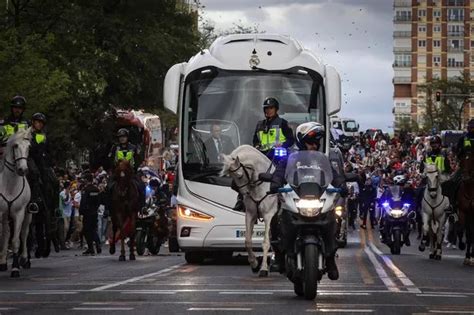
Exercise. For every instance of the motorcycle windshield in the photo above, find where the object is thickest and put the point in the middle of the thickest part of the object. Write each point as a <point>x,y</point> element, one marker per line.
<point>396,193</point>
<point>308,167</point>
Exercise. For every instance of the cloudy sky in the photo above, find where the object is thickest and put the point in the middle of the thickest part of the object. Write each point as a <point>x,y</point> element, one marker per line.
<point>353,35</point>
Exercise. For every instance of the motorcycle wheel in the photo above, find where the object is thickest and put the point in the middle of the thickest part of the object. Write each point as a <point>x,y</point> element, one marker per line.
<point>154,245</point>
<point>310,282</point>
<point>140,242</point>
<point>298,288</point>
<point>397,240</point>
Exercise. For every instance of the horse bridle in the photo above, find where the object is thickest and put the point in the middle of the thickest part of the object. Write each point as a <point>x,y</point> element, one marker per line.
<point>246,174</point>
<point>11,165</point>
<point>435,188</point>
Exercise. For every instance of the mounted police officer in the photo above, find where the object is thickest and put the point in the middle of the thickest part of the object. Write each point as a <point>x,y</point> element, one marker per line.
<point>437,157</point>
<point>126,151</point>
<point>466,142</point>
<point>39,161</point>
<point>270,133</point>
<point>15,121</point>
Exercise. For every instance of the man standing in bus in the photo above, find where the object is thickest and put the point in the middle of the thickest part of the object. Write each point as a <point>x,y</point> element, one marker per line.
<point>271,132</point>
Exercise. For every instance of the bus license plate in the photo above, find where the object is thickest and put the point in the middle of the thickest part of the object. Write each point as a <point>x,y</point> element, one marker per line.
<point>240,233</point>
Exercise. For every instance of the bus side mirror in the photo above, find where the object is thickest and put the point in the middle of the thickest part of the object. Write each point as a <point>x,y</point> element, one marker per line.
<point>332,87</point>
<point>172,87</point>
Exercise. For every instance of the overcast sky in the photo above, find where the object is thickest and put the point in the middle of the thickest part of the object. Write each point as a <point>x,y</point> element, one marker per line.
<point>353,35</point>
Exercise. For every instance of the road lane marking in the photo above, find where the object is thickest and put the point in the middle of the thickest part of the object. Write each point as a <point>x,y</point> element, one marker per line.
<point>246,293</point>
<point>102,309</point>
<point>7,308</point>
<point>389,263</point>
<point>235,309</point>
<point>340,310</point>
<point>451,312</point>
<point>134,279</point>
<point>50,292</point>
<point>381,271</point>
<point>366,277</point>
<point>442,295</point>
<point>148,292</point>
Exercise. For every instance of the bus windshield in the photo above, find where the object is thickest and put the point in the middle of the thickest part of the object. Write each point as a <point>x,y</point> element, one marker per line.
<point>350,126</point>
<point>221,110</point>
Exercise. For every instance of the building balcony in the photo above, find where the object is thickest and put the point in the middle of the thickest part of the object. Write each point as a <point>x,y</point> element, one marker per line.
<point>402,19</point>
<point>456,49</point>
<point>402,4</point>
<point>398,34</point>
<point>401,49</point>
<point>401,80</point>
<point>456,34</point>
<point>401,64</point>
<point>454,18</point>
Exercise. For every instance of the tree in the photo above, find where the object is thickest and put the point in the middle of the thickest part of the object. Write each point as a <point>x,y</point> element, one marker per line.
<point>455,95</point>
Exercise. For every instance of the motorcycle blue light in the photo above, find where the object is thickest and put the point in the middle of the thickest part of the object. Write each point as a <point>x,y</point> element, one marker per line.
<point>280,152</point>
<point>386,204</point>
<point>406,205</point>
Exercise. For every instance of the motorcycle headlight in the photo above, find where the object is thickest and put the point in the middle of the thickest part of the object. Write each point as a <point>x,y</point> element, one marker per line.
<point>339,210</point>
<point>309,207</point>
<point>396,213</point>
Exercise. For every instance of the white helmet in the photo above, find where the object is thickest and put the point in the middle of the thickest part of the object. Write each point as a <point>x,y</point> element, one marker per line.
<point>399,180</point>
<point>310,132</point>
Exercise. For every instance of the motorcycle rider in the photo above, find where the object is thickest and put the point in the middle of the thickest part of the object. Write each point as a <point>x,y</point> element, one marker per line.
<point>14,122</point>
<point>270,133</point>
<point>90,202</point>
<point>308,137</point>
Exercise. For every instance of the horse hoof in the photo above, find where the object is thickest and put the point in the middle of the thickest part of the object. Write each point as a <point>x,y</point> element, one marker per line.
<point>132,257</point>
<point>472,262</point>
<point>437,257</point>
<point>432,256</point>
<point>467,262</point>
<point>421,248</point>
<point>263,273</point>
<point>121,258</point>
<point>15,274</point>
<point>37,254</point>
<point>3,267</point>
<point>462,246</point>
<point>112,250</point>
<point>24,263</point>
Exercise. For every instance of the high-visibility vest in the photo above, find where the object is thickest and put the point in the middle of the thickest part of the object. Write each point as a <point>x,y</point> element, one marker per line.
<point>439,162</point>
<point>274,136</point>
<point>125,155</point>
<point>40,138</point>
<point>467,142</point>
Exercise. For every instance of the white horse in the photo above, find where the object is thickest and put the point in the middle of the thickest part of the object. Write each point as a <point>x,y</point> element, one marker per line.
<point>433,213</point>
<point>244,165</point>
<point>15,195</point>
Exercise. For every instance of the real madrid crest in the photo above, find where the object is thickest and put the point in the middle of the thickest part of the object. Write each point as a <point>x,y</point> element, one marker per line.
<point>254,60</point>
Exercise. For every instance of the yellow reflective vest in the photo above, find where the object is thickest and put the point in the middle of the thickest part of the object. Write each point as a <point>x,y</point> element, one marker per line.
<point>438,161</point>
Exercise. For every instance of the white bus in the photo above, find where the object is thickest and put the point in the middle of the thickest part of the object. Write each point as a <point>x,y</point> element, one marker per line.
<point>348,126</point>
<point>223,88</point>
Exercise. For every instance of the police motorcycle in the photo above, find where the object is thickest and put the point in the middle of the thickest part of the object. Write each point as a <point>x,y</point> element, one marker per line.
<point>307,202</point>
<point>152,222</point>
<point>396,217</point>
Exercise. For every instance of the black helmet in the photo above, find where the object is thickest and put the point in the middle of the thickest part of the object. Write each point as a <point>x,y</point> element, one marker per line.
<point>18,101</point>
<point>470,124</point>
<point>309,132</point>
<point>39,117</point>
<point>122,132</point>
<point>435,140</point>
<point>154,182</point>
<point>271,102</point>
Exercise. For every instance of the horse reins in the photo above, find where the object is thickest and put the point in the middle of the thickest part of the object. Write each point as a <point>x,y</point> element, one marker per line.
<point>11,167</point>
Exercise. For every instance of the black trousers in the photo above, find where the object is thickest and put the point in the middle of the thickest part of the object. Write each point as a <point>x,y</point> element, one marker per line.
<point>90,230</point>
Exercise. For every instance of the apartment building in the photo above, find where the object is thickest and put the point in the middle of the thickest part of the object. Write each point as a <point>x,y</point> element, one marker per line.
<point>432,39</point>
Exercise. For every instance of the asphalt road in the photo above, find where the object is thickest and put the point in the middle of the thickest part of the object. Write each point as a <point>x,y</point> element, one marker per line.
<point>371,281</point>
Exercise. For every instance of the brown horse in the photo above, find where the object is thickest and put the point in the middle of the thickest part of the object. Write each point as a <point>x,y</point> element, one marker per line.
<point>465,196</point>
<point>125,207</point>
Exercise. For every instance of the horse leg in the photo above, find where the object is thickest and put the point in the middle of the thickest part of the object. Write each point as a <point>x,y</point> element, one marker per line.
<point>17,224</point>
<point>5,234</point>
<point>425,231</point>
<point>112,240</point>
<point>25,229</point>
<point>266,246</point>
<point>249,223</point>
<point>132,238</point>
<point>439,238</point>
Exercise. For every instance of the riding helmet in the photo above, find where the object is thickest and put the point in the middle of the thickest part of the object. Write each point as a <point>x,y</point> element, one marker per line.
<point>122,132</point>
<point>18,101</point>
<point>271,102</point>
<point>309,132</point>
<point>39,117</point>
<point>399,180</point>
<point>435,140</point>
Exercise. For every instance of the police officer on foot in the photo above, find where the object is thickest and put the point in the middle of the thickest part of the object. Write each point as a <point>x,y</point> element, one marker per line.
<point>271,132</point>
<point>15,121</point>
<point>90,202</point>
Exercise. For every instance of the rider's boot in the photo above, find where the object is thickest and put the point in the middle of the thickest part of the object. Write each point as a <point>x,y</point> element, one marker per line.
<point>98,248</point>
<point>240,206</point>
<point>331,268</point>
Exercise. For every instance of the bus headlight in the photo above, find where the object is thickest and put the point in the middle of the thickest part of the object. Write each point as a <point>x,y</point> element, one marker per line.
<point>191,214</point>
